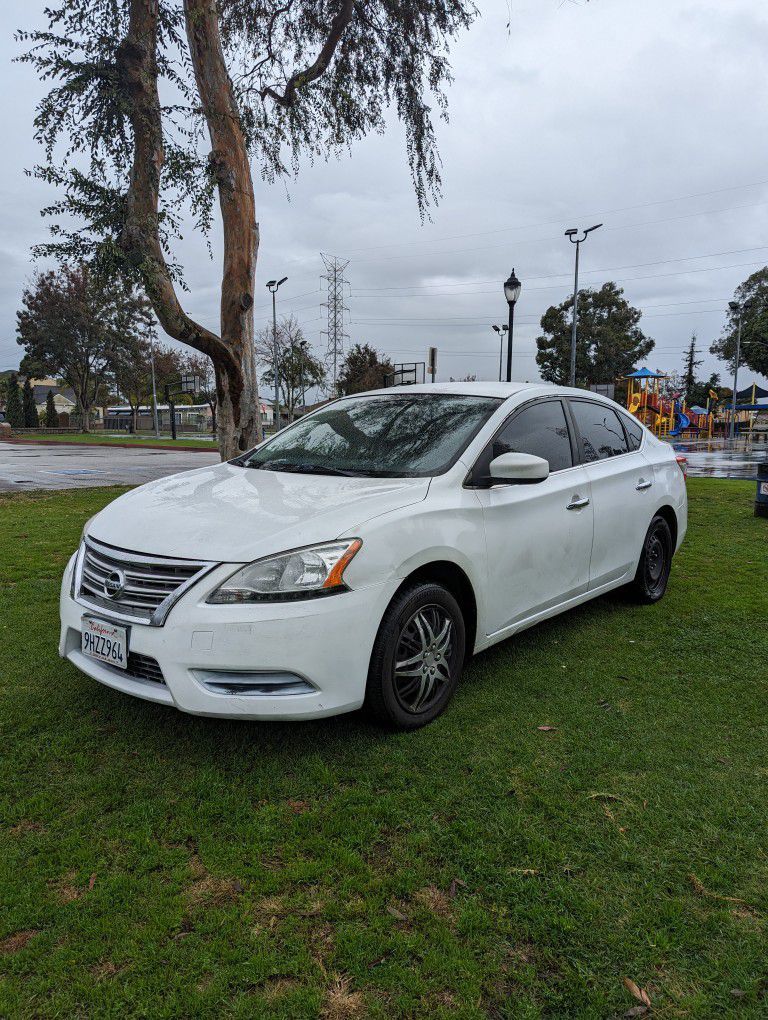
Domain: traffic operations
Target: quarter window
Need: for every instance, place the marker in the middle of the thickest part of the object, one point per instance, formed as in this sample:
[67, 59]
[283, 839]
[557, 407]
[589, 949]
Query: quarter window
[540, 429]
[634, 431]
[600, 432]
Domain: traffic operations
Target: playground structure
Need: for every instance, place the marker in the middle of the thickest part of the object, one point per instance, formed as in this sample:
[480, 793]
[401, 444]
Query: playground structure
[668, 415]
[665, 415]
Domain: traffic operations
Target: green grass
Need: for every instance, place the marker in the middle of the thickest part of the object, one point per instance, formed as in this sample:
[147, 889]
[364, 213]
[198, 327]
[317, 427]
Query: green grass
[157, 865]
[120, 440]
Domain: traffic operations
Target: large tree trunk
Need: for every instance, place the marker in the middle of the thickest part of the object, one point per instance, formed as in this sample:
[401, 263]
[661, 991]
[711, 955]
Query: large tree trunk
[238, 396]
[232, 352]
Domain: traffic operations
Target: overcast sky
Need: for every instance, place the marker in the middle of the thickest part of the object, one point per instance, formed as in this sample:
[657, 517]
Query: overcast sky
[648, 116]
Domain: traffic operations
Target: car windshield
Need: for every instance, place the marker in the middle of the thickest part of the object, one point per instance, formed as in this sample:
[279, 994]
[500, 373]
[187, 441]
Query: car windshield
[403, 435]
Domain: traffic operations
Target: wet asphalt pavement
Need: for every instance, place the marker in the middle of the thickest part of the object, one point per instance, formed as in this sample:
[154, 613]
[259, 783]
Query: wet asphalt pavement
[32, 466]
[717, 458]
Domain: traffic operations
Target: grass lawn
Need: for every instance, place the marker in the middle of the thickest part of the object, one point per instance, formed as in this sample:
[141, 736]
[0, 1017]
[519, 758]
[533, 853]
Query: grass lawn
[157, 865]
[100, 439]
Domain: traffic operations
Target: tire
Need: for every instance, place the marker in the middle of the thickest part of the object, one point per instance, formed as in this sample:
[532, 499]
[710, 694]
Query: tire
[422, 630]
[652, 575]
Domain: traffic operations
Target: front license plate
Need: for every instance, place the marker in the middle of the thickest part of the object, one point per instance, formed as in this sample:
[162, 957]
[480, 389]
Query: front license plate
[105, 641]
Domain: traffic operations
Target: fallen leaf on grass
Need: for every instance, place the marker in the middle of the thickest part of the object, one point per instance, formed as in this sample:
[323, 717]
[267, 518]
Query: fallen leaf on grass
[635, 1011]
[18, 941]
[547, 729]
[738, 993]
[605, 796]
[397, 914]
[92, 881]
[455, 883]
[636, 991]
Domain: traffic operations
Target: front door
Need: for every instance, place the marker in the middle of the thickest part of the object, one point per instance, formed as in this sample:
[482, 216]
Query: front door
[539, 537]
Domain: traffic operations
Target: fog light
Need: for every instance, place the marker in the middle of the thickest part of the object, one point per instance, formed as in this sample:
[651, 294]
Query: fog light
[258, 685]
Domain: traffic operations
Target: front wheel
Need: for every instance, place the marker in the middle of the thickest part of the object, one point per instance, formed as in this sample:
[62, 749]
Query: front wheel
[652, 575]
[417, 657]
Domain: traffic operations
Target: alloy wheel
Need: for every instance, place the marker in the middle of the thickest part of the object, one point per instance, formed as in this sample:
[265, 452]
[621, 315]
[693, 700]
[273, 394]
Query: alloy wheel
[423, 658]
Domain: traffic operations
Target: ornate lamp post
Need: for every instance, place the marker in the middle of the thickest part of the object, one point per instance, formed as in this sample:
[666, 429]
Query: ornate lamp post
[512, 288]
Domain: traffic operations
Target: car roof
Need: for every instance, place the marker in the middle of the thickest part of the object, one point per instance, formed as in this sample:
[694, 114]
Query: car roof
[502, 390]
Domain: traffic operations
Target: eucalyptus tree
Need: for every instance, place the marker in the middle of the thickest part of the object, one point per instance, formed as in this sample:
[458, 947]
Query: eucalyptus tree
[137, 85]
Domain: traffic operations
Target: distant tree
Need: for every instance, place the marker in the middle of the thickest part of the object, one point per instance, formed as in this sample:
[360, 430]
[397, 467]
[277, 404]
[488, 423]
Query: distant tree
[136, 84]
[14, 411]
[74, 324]
[297, 368]
[690, 364]
[202, 367]
[470, 377]
[29, 409]
[363, 369]
[700, 393]
[609, 341]
[754, 325]
[130, 371]
[51, 415]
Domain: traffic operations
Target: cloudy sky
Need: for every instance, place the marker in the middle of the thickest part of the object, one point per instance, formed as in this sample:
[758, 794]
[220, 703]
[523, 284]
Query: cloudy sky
[646, 116]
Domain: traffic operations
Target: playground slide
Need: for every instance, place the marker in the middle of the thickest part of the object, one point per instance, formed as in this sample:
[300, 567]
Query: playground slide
[683, 423]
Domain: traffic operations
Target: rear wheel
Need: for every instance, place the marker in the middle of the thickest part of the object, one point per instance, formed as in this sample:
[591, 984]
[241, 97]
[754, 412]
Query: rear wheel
[417, 657]
[652, 575]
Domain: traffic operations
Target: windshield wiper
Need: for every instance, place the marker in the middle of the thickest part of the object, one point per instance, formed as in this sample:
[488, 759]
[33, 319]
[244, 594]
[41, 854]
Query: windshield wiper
[302, 469]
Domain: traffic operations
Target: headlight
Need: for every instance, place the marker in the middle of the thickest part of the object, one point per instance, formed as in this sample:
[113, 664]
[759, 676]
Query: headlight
[303, 573]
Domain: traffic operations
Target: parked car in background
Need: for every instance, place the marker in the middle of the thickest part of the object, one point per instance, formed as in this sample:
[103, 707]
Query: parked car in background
[360, 556]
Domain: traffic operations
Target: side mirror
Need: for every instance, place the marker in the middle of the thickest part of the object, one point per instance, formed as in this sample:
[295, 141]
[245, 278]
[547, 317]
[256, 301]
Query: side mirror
[518, 469]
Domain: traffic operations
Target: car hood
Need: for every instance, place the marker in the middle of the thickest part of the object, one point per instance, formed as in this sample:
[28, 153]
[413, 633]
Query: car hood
[234, 514]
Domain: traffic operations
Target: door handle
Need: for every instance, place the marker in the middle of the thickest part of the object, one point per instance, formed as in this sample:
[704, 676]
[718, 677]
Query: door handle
[642, 484]
[577, 503]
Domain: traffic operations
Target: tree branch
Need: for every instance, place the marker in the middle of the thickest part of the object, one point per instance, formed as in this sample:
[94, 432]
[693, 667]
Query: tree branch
[300, 79]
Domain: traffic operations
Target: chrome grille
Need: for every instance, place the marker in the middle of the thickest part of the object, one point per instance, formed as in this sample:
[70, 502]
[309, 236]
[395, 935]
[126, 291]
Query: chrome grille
[143, 588]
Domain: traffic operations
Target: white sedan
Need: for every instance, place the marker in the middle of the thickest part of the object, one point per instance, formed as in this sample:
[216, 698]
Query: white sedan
[361, 555]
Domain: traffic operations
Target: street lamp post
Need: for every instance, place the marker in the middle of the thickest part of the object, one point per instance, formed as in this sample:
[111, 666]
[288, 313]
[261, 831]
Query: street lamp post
[739, 311]
[273, 286]
[154, 385]
[502, 331]
[512, 288]
[573, 237]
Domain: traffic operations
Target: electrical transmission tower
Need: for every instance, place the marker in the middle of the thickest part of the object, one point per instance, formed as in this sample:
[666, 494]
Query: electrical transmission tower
[334, 278]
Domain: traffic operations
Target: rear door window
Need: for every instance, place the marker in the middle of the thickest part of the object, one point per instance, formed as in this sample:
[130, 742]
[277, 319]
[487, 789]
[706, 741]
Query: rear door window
[600, 432]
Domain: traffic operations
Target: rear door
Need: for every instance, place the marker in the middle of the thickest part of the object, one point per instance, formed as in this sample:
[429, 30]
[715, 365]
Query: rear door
[622, 486]
[539, 537]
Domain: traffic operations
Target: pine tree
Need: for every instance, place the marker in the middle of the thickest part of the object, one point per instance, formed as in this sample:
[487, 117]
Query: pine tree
[690, 364]
[51, 414]
[13, 409]
[29, 410]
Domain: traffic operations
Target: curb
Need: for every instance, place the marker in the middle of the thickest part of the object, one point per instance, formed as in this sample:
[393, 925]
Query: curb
[24, 441]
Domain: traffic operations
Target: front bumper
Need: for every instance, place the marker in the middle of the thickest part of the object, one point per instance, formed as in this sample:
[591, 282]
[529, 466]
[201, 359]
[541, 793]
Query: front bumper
[326, 642]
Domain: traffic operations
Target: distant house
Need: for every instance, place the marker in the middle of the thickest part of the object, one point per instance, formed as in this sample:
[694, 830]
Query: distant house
[63, 398]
